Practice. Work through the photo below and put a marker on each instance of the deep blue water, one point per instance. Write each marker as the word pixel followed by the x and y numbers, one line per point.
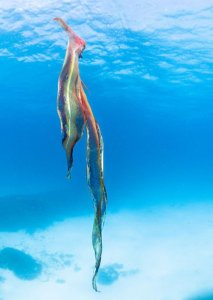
pixel 148 70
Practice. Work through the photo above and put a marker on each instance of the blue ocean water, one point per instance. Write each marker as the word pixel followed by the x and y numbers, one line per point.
pixel 148 71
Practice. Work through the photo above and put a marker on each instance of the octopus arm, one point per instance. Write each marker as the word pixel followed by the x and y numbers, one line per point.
pixel 95 179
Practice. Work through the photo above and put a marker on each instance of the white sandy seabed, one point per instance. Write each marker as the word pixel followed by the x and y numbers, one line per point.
pixel 152 254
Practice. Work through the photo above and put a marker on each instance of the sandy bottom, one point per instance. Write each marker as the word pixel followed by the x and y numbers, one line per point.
pixel 152 254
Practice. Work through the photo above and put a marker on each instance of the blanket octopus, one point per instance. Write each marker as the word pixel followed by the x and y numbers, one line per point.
pixel 75 114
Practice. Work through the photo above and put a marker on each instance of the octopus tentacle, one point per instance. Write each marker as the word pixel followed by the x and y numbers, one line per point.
pixel 95 179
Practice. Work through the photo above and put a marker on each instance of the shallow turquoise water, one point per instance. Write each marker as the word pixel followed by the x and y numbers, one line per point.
pixel 148 69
